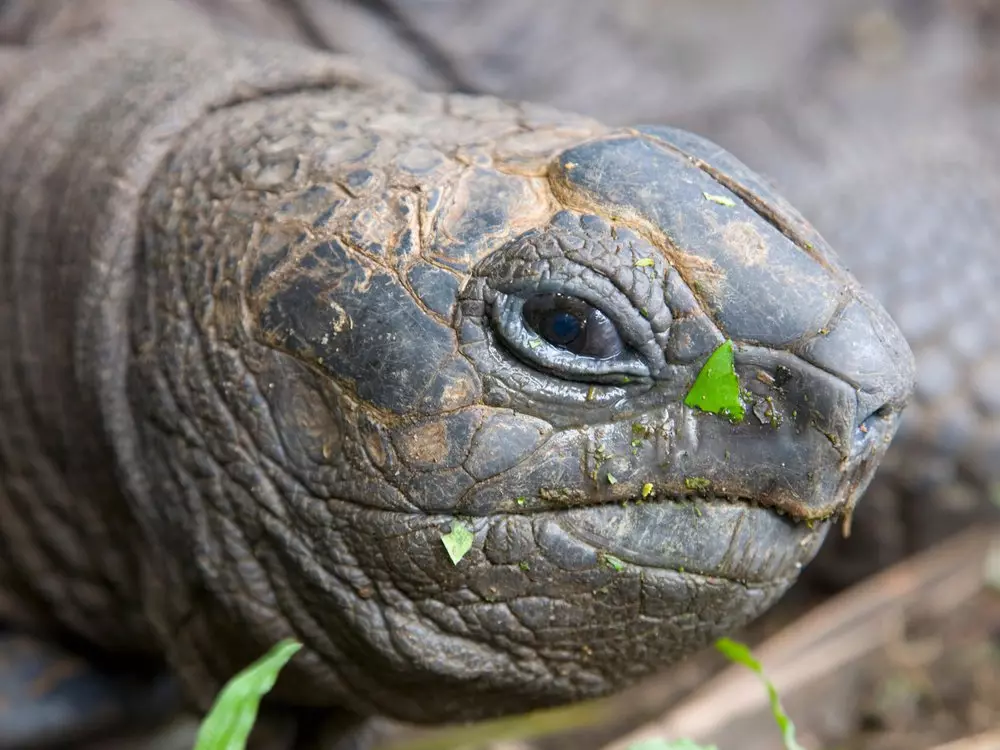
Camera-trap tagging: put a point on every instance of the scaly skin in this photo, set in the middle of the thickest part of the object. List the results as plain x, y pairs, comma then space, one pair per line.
878, 119
266, 345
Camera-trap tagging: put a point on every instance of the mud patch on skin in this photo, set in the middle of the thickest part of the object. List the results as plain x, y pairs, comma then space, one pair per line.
424, 445
457, 393
342, 321
701, 274
746, 243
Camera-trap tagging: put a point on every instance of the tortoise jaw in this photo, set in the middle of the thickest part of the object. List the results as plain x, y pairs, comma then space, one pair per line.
734, 540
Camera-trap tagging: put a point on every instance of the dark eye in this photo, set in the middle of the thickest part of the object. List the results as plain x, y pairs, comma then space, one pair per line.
572, 324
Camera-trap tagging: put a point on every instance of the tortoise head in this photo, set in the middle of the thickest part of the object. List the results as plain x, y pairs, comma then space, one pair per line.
496, 414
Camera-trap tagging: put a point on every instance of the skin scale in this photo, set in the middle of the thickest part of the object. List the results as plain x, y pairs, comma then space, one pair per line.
264, 347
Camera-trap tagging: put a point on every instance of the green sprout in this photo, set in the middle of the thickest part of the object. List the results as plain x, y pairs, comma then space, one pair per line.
231, 718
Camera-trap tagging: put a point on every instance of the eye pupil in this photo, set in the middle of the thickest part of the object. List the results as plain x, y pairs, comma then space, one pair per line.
571, 323
562, 327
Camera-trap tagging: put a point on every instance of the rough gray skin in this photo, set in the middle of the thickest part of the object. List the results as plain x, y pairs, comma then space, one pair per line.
263, 345
878, 119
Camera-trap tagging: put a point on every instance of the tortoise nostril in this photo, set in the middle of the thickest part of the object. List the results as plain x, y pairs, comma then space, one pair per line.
875, 423
883, 412
875, 407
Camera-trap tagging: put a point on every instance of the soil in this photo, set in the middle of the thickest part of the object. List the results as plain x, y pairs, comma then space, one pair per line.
938, 683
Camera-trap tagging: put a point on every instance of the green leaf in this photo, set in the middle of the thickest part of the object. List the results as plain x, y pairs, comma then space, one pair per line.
740, 654
722, 200
668, 745
701, 484
614, 563
645, 263
234, 712
717, 389
647, 490
458, 541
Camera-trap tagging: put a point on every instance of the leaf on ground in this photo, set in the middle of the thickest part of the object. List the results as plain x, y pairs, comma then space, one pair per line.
458, 541
739, 653
669, 745
717, 389
228, 724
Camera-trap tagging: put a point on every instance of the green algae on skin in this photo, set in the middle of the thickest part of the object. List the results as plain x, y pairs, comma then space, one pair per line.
458, 541
612, 562
697, 483
722, 200
717, 389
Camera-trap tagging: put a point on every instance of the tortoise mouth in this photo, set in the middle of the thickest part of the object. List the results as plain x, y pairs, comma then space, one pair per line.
728, 538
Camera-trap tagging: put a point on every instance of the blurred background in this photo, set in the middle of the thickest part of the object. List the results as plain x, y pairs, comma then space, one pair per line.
880, 121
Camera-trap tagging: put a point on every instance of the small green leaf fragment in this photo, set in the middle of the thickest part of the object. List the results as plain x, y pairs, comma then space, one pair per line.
722, 200
611, 478
697, 483
522, 500
591, 393
717, 388
739, 653
231, 718
614, 563
458, 541
647, 490
645, 263
535, 343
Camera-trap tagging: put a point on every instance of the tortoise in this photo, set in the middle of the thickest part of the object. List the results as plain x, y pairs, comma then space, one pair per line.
278, 327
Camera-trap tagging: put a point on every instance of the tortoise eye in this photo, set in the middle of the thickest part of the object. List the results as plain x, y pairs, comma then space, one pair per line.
574, 325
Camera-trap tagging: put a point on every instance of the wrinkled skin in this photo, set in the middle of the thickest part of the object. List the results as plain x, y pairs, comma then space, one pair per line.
878, 119
372, 353
293, 352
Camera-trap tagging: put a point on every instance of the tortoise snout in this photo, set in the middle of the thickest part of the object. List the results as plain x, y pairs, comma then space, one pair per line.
864, 347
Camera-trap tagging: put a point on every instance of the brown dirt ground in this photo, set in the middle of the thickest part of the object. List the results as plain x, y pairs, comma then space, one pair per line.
939, 682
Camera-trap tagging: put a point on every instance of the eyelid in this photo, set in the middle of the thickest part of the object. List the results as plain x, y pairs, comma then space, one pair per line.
601, 293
